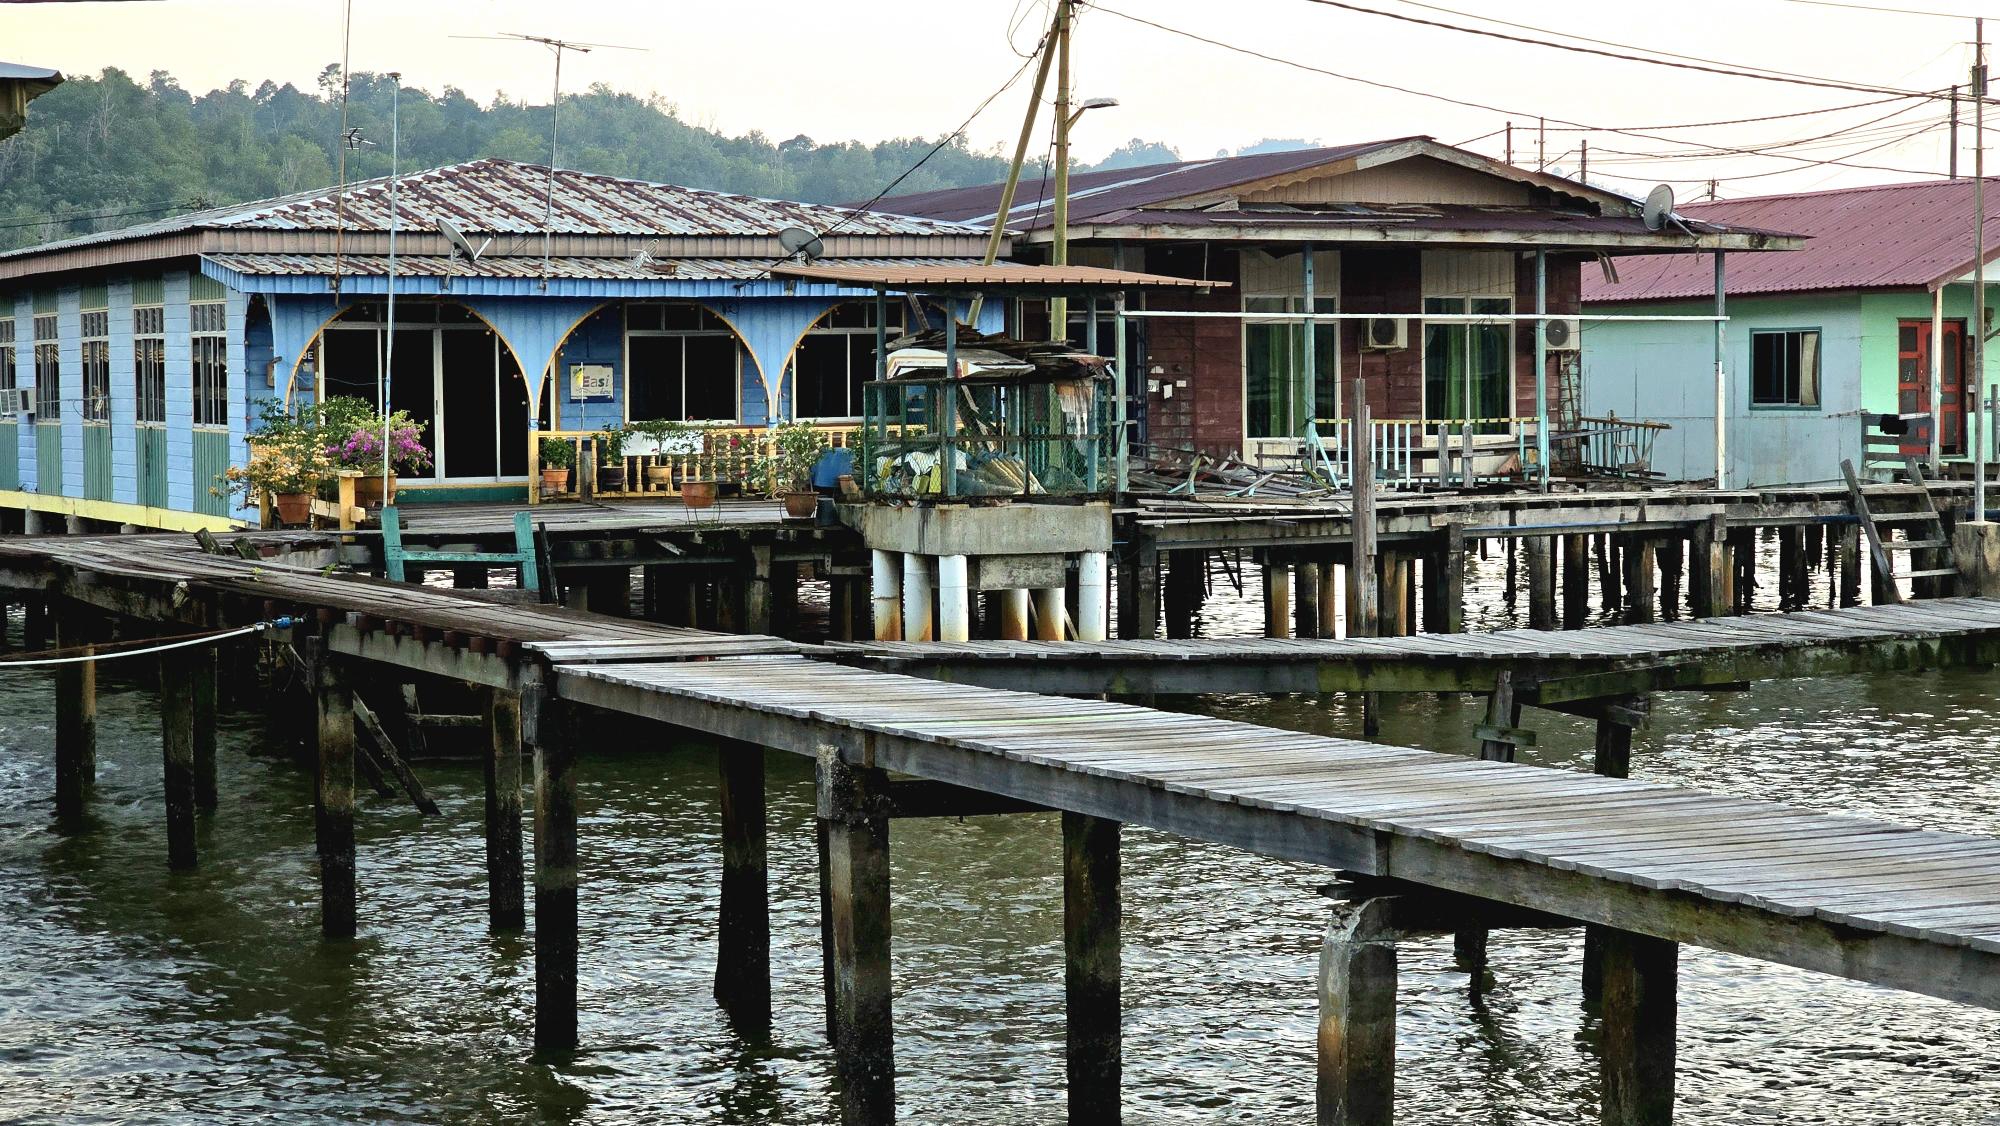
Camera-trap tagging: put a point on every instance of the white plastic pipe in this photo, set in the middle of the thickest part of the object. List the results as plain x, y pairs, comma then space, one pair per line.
1093, 589
1049, 614
954, 599
888, 596
1013, 615
917, 598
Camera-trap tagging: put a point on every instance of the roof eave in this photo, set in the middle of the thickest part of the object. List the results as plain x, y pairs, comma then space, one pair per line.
1648, 243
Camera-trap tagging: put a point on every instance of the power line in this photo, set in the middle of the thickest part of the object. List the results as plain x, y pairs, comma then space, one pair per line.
1878, 8
83, 217
1446, 98
1729, 71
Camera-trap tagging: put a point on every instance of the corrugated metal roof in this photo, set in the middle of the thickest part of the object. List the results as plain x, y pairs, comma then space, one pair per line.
503, 197
1433, 217
1892, 236
1093, 194
30, 73
909, 274
525, 267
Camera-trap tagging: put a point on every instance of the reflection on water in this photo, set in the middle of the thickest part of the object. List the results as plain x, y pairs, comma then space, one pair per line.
126, 994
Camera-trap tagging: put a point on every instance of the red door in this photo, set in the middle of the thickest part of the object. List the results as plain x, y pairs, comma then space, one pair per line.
1913, 385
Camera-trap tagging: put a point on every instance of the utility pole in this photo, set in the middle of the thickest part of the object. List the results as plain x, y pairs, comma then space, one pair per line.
1954, 131
1541, 144
389, 338
1583, 162
1007, 190
1059, 307
1979, 270
1510, 142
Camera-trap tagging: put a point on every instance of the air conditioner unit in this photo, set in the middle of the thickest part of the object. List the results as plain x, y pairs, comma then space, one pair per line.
18, 400
1386, 334
1563, 334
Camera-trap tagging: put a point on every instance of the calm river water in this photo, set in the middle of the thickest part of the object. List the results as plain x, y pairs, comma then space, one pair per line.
127, 995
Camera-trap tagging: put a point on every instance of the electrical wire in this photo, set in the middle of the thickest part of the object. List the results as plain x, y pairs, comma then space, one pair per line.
201, 639
82, 217
1446, 98
1878, 8
1729, 71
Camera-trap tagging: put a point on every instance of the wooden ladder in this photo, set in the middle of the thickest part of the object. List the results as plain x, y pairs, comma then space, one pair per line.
1926, 530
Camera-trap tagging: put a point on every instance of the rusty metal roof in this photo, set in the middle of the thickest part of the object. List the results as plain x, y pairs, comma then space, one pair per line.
1891, 236
505, 197
976, 275
574, 267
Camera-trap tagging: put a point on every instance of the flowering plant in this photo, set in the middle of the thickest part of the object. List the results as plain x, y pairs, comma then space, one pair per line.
361, 447
277, 468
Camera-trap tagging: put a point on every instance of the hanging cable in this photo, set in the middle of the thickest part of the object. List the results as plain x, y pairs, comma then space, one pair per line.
97, 654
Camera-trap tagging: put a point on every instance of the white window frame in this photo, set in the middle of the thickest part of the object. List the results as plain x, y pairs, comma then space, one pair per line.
897, 308
96, 373
1465, 301
736, 376
149, 347
48, 369
208, 362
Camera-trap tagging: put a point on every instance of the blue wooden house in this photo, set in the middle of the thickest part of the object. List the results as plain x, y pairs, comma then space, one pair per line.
134, 362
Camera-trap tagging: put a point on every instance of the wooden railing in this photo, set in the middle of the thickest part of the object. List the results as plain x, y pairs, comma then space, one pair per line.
742, 456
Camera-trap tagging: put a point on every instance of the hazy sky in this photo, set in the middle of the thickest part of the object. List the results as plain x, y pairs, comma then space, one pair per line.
845, 69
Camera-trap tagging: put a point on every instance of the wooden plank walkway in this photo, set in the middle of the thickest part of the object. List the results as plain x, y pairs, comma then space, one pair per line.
1909, 908
1681, 654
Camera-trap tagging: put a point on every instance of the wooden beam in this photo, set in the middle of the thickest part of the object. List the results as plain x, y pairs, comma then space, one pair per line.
1357, 1017
177, 758
333, 811
553, 725
1091, 960
916, 797
506, 909
386, 753
1637, 1083
743, 930
76, 730
857, 828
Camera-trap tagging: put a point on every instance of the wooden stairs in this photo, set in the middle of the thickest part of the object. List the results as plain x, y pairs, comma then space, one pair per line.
1926, 540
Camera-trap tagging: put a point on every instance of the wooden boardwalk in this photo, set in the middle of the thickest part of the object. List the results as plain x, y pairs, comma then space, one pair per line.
1571, 664
1910, 908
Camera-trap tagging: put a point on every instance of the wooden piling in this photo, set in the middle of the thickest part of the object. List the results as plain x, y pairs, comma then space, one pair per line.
1330, 599
1540, 552
35, 625
1576, 581
1612, 759
1708, 568
757, 596
1743, 569
1305, 598
1640, 597
1357, 1017
506, 908
1791, 568
552, 724
1669, 556
1394, 585
333, 811
1850, 565
743, 931
1186, 583
76, 733
1277, 598
853, 806
1637, 1067
177, 757
202, 678
1609, 583
1091, 946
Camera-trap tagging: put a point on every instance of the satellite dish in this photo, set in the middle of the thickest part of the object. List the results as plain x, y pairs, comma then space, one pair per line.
459, 243
1659, 207
799, 241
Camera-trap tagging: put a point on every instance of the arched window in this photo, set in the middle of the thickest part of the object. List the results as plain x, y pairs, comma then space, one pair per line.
683, 364
836, 357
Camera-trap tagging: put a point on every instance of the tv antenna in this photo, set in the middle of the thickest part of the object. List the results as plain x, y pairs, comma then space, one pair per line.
557, 47
801, 242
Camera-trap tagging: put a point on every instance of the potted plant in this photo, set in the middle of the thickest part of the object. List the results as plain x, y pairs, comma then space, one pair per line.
661, 438
558, 458
795, 449
611, 459
698, 488
358, 446
287, 462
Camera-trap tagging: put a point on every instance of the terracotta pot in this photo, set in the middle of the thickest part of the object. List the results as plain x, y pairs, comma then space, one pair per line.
611, 480
368, 489
801, 505
293, 508
697, 494
660, 476
555, 480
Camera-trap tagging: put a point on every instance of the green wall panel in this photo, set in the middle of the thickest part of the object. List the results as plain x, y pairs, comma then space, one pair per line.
97, 462
49, 459
149, 450
211, 460
10, 454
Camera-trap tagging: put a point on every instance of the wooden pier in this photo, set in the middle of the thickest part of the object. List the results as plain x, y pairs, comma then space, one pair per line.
1414, 840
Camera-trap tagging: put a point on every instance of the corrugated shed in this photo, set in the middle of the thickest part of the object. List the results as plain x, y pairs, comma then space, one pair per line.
504, 197
1893, 236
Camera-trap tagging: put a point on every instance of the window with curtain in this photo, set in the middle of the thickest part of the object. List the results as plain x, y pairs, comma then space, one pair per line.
836, 357
210, 348
683, 365
149, 364
48, 370
1784, 368
96, 326
1468, 367
1274, 367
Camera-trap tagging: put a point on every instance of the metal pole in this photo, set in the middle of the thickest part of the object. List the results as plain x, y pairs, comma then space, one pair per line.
1721, 385
1583, 162
1541, 144
1937, 378
1059, 306
1954, 132
1510, 143
1013, 181
1121, 384
1542, 366
389, 353
1979, 271
1310, 423
947, 421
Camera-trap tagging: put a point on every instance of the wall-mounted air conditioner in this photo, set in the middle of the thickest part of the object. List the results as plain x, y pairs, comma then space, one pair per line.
1385, 334
1563, 334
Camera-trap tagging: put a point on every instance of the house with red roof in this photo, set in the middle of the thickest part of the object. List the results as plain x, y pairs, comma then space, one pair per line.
1870, 318
1387, 232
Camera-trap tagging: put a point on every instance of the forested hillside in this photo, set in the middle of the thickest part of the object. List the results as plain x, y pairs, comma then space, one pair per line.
109, 151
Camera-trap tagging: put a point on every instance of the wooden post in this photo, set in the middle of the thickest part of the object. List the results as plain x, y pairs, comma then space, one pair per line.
177, 755
1331, 599
1091, 966
1613, 759
1791, 568
35, 625
1850, 565
757, 591
1576, 580
1363, 616
1743, 568
1452, 582
1640, 979
1639, 589
201, 686
743, 932
1393, 610
552, 725
506, 907
1305, 598
76, 732
1540, 551
1185, 585
851, 803
1277, 598
1708, 561
1357, 1017
333, 820
1146, 573
1668, 553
